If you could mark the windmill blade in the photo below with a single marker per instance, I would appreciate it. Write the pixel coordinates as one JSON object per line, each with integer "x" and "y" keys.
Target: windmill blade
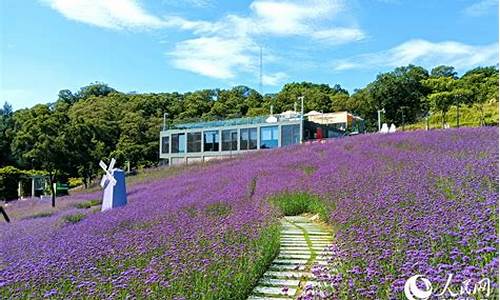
{"x": 112, "y": 180}
{"x": 103, "y": 165}
{"x": 103, "y": 181}
{"x": 112, "y": 164}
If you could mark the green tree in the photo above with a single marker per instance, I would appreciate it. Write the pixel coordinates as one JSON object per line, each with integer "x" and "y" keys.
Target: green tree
{"x": 318, "y": 97}
{"x": 460, "y": 96}
{"x": 196, "y": 104}
{"x": 483, "y": 84}
{"x": 441, "y": 97}
{"x": 6, "y": 132}
{"x": 400, "y": 88}
{"x": 441, "y": 101}
{"x": 444, "y": 71}
{"x": 41, "y": 140}
{"x": 95, "y": 89}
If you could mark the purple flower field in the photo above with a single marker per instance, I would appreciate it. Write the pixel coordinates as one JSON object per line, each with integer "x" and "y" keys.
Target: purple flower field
{"x": 401, "y": 204}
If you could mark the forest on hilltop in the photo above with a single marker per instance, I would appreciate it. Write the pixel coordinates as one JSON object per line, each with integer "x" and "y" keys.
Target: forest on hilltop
{"x": 67, "y": 137}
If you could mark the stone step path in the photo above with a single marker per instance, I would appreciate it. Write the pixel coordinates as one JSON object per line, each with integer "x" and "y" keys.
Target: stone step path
{"x": 303, "y": 244}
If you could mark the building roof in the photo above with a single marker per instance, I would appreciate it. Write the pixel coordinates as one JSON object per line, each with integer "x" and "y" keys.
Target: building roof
{"x": 285, "y": 116}
{"x": 236, "y": 122}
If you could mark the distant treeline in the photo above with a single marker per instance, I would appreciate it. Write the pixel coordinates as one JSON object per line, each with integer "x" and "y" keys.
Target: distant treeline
{"x": 68, "y": 137}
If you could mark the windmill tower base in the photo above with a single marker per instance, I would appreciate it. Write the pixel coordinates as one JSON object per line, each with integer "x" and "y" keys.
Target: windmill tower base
{"x": 115, "y": 195}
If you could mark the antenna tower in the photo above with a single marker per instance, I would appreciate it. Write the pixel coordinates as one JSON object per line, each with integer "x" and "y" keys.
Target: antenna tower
{"x": 260, "y": 73}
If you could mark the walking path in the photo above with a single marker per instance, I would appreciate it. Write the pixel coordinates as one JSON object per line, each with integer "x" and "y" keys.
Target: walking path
{"x": 302, "y": 245}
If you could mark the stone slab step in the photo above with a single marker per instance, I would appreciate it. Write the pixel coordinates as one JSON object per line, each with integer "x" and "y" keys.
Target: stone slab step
{"x": 291, "y": 243}
{"x": 271, "y": 290}
{"x": 280, "y": 267}
{"x": 254, "y": 297}
{"x": 288, "y": 274}
{"x": 293, "y": 256}
{"x": 289, "y": 261}
{"x": 280, "y": 282}
{"x": 321, "y": 238}
{"x": 293, "y": 232}
{"x": 317, "y": 233}
{"x": 296, "y": 239}
{"x": 297, "y": 219}
{"x": 303, "y": 252}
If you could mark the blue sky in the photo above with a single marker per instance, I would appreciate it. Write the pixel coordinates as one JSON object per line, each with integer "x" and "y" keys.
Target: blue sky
{"x": 183, "y": 45}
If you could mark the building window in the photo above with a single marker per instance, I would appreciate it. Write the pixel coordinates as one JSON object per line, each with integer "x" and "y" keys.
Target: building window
{"x": 248, "y": 139}
{"x": 210, "y": 141}
{"x": 194, "y": 142}
{"x": 165, "y": 143}
{"x": 290, "y": 134}
{"x": 229, "y": 140}
{"x": 178, "y": 143}
{"x": 269, "y": 137}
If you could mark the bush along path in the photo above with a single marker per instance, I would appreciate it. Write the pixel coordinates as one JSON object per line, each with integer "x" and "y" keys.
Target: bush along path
{"x": 303, "y": 244}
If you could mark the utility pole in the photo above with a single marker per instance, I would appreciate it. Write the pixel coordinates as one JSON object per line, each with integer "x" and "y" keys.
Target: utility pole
{"x": 378, "y": 113}
{"x": 260, "y": 73}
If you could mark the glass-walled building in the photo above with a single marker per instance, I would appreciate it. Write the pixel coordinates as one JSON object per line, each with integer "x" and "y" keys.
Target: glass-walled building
{"x": 202, "y": 141}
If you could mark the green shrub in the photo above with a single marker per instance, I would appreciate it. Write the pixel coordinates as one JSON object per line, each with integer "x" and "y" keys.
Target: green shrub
{"x": 89, "y": 203}
{"x": 74, "y": 218}
{"x": 292, "y": 204}
{"x": 41, "y": 214}
{"x": 74, "y": 182}
{"x": 9, "y": 179}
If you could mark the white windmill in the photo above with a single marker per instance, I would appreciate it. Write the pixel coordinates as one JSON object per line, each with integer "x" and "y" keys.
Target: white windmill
{"x": 108, "y": 173}
{"x": 113, "y": 183}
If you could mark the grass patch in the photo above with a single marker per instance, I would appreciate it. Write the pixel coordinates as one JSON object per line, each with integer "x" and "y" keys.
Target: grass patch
{"x": 292, "y": 204}
{"x": 218, "y": 209}
{"x": 89, "y": 203}
{"x": 41, "y": 214}
{"x": 309, "y": 170}
{"x": 73, "y": 219}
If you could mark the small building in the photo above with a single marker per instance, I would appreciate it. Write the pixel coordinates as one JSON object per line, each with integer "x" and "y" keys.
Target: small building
{"x": 202, "y": 141}
{"x": 342, "y": 120}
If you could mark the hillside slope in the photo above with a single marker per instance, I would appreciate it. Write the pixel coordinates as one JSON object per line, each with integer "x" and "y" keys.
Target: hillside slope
{"x": 402, "y": 204}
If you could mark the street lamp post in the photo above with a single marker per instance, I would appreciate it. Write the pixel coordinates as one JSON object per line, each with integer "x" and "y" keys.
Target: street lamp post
{"x": 427, "y": 120}
{"x": 165, "y": 120}
{"x": 403, "y": 118}
{"x": 378, "y": 113}
{"x": 301, "y": 98}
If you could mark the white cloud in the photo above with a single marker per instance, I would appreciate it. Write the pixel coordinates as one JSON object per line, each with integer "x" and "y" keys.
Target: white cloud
{"x": 229, "y": 46}
{"x": 293, "y": 18}
{"x": 481, "y": 8}
{"x": 213, "y": 56}
{"x": 274, "y": 79}
{"x": 424, "y": 53}
{"x": 113, "y": 14}
{"x": 340, "y": 35}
